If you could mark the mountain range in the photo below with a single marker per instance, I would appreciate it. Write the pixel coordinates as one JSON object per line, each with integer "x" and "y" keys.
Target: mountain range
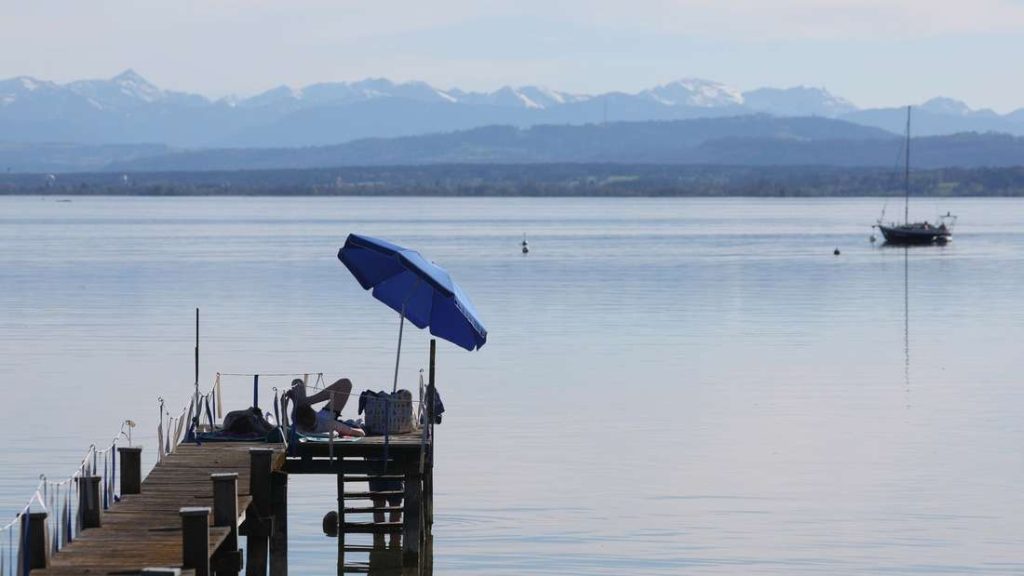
{"x": 127, "y": 109}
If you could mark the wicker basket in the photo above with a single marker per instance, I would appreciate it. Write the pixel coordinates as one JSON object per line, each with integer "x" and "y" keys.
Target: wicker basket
{"x": 391, "y": 413}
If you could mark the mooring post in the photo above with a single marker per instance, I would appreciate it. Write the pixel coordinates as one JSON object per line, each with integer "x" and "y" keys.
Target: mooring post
{"x": 341, "y": 520}
{"x": 428, "y": 495}
{"x": 89, "y": 502}
{"x": 279, "y": 539}
{"x": 195, "y": 540}
{"x": 258, "y": 517}
{"x": 131, "y": 469}
{"x": 428, "y": 473}
{"x": 228, "y": 559}
{"x": 38, "y": 549}
{"x": 412, "y": 516}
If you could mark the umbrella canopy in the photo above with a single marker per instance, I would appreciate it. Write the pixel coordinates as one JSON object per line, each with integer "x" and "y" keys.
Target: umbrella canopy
{"x": 414, "y": 287}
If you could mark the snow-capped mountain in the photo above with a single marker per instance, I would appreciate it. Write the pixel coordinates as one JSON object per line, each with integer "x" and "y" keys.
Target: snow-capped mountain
{"x": 797, "y": 101}
{"x": 694, "y": 92}
{"x": 129, "y": 109}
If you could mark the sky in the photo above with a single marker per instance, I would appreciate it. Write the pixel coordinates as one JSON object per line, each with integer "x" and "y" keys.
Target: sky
{"x": 872, "y": 52}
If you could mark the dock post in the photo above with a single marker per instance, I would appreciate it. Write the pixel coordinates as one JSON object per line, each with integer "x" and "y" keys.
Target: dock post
{"x": 131, "y": 469}
{"x": 89, "y": 502}
{"x": 195, "y": 540}
{"x": 428, "y": 472}
{"x": 279, "y": 539}
{"x": 412, "y": 517}
{"x": 258, "y": 516}
{"x": 38, "y": 549}
{"x": 227, "y": 559}
{"x": 341, "y": 520}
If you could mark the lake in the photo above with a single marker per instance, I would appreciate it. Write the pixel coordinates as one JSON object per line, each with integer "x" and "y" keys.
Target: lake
{"x": 669, "y": 385}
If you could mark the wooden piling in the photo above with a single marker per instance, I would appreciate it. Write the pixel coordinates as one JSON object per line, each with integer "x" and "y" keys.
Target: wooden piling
{"x": 38, "y": 549}
{"x": 227, "y": 560}
{"x": 428, "y": 472}
{"x": 279, "y": 538}
{"x": 195, "y": 539}
{"x": 258, "y": 517}
{"x": 412, "y": 517}
{"x": 131, "y": 469}
{"x": 89, "y": 502}
{"x": 341, "y": 522}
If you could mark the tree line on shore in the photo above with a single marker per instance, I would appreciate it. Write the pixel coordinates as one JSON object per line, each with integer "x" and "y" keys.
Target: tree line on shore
{"x": 531, "y": 180}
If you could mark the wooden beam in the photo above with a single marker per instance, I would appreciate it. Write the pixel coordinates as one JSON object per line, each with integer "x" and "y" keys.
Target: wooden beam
{"x": 89, "y": 501}
{"x": 195, "y": 539}
{"x": 279, "y": 539}
{"x": 131, "y": 469}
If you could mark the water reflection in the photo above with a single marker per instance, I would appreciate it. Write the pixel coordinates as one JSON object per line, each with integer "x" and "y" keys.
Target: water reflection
{"x": 383, "y": 557}
{"x": 906, "y": 320}
{"x": 385, "y": 561}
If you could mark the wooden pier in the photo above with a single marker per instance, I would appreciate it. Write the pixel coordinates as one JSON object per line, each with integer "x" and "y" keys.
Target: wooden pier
{"x": 188, "y": 514}
{"x": 194, "y": 505}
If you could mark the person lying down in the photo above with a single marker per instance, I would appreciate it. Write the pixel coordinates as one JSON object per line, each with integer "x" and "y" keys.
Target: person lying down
{"x": 310, "y": 421}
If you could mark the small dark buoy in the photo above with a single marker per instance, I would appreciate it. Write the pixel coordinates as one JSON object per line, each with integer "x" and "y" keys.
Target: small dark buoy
{"x": 331, "y": 524}
{"x": 872, "y": 238}
{"x": 836, "y": 252}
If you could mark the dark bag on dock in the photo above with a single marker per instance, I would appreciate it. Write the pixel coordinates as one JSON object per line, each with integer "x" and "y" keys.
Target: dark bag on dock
{"x": 248, "y": 421}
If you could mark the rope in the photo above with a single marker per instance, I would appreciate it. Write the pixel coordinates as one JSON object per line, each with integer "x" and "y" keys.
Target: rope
{"x": 269, "y": 374}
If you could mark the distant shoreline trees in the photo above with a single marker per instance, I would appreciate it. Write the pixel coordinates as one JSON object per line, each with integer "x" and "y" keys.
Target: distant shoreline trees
{"x": 539, "y": 180}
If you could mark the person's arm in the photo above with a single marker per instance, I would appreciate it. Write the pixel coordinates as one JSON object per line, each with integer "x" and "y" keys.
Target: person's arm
{"x": 346, "y": 430}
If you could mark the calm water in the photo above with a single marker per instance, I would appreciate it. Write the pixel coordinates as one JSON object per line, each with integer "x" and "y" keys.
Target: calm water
{"x": 670, "y": 386}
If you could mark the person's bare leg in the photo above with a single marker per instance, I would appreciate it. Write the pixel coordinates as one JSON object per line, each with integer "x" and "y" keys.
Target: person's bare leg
{"x": 396, "y": 516}
{"x": 378, "y": 517}
{"x": 336, "y": 393}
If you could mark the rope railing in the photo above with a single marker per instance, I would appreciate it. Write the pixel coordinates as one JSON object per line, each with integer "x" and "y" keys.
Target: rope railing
{"x": 60, "y": 501}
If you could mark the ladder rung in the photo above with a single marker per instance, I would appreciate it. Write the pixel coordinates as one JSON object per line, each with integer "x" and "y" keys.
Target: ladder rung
{"x": 381, "y": 494}
{"x": 373, "y": 527}
{"x": 371, "y": 509}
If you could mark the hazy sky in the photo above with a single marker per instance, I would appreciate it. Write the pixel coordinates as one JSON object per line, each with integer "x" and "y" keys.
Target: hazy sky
{"x": 874, "y": 52}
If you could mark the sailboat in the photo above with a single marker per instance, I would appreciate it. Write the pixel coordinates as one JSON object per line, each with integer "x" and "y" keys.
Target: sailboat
{"x": 908, "y": 232}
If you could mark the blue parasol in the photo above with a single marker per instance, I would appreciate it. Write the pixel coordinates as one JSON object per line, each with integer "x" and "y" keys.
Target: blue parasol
{"x": 414, "y": 287}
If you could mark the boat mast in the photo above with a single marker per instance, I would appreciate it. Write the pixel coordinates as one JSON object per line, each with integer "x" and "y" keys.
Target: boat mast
{"x": 906, "y": 176}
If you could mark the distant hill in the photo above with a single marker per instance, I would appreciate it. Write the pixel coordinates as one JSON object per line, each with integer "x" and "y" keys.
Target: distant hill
{"x": 737, "y": 141}
{"x": 127, "y": 109}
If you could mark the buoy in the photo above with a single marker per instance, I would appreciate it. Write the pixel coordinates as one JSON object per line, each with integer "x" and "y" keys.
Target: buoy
{"x": 525, "y": 245}
{"x": 836, "y": 252}
{"x": 331, "y": 523}
{"x": 872, "y": 238}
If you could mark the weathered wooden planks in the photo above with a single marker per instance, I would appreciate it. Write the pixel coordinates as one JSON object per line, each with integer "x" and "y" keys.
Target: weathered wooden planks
{"x": 145, "y": 530}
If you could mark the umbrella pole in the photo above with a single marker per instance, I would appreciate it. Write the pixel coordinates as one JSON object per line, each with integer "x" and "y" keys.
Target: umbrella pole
{"x": 398, "y": 355}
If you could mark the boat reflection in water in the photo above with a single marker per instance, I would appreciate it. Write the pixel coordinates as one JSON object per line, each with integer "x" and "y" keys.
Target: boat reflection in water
{"x": 906, "y": 320}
